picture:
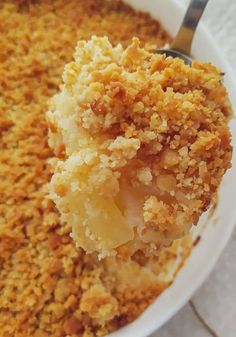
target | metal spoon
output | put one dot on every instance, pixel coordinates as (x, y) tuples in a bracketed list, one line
[(181, 47)]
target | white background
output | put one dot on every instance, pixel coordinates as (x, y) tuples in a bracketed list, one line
[(215, 301)]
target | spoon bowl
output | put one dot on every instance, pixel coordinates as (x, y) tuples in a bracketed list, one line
[(181, 46)]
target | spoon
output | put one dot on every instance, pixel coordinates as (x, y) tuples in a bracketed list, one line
[(181, 47)]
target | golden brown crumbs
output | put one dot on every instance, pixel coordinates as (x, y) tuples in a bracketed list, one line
[(146, 144)]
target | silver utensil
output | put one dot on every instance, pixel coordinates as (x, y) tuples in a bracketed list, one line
[(181, 47)]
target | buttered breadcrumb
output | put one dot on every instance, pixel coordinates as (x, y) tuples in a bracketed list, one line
[(48, 287), (142, 143)]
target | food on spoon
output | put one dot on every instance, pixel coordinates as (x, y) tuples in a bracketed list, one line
[(141, 142)]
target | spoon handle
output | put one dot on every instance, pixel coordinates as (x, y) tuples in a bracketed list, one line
[(184, 37)]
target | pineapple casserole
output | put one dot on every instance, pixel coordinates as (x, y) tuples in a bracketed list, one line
[(141, 142), (48, 286)]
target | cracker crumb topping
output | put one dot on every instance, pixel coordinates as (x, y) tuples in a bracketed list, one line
[(146, 144)]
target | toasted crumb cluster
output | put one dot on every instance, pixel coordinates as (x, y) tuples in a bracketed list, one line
[(142, 144), (48, 287)]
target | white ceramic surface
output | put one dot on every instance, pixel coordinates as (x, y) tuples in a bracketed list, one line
[(216, 233)]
